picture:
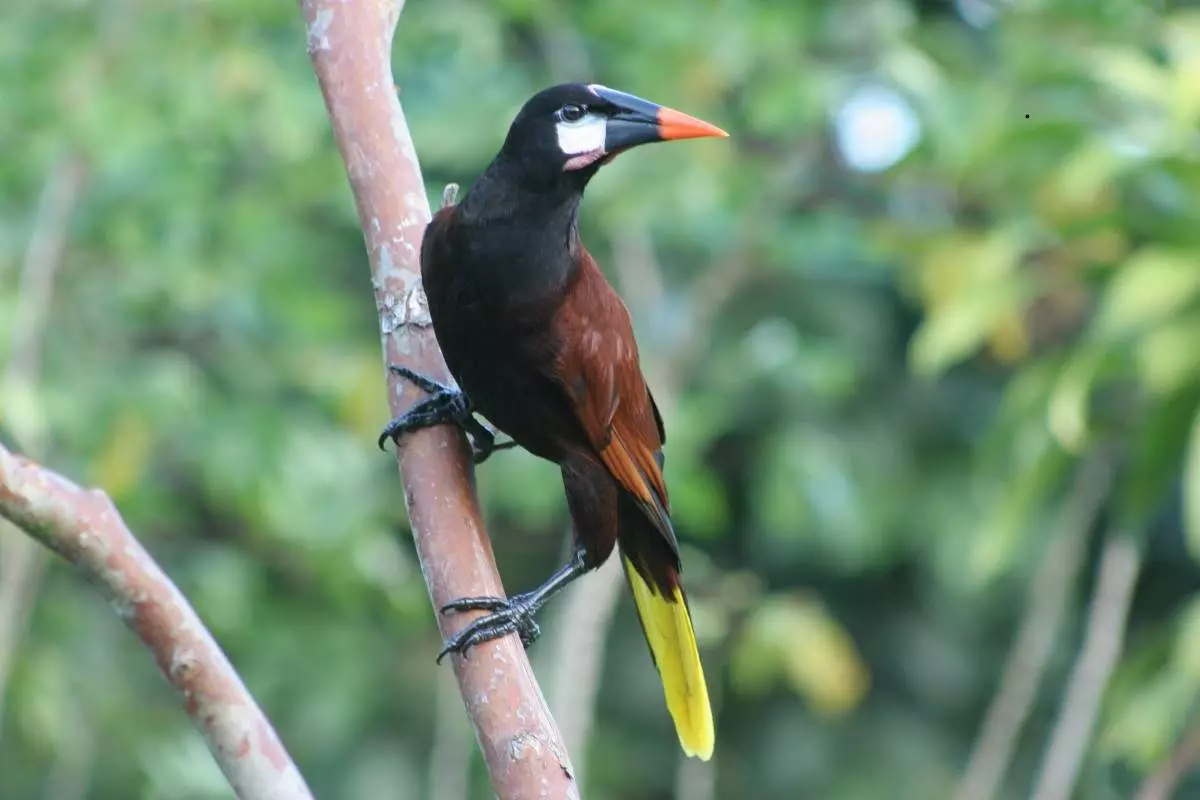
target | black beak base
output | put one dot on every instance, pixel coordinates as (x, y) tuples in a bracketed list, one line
[(637, 121)]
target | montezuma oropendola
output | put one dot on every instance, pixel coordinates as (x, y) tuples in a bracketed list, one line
[(542, 346)]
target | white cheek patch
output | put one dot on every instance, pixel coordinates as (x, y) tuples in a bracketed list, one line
[(585, 135)]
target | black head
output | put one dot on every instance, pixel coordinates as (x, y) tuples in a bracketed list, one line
[(569, 131)]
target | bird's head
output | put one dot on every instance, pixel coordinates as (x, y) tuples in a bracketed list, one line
[(571, 130)]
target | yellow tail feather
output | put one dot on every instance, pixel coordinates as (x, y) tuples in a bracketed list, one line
[(668, 629)]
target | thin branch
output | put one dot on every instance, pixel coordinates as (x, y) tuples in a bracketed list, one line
[(86, 529), (1030, 654), (695, 779), (719, 283), (450, 756), (22, 567), (350, 47), (42, 260), (1120, 564), (71, 775), (639, 274), (22, 562), (1161, 784), (581, 633), (563, 49)]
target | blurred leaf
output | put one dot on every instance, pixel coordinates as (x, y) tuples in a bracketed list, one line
[(1186, 655), (1155, 698), (1183, 43), (1168, 357), (1159, 444), (1132, 73), (1143, 726), (1149, 288), (1078, 188), (1003, 525), (1068, 413), (795, 639), (972, 288), (1191, 489), (699, 501), (120, 465), (22, 413)]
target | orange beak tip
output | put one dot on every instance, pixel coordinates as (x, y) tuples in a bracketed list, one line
[(674, 124)]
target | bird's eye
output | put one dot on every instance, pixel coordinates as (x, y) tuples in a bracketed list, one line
[(572, 112)]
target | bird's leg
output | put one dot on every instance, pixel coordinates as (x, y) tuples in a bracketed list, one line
[(512, 615), (445, 404), (483, 440)]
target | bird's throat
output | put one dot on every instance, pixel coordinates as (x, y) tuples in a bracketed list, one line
[(528, 231), (508, 191)]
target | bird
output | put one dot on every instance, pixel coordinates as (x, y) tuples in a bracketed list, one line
[(542, 347)]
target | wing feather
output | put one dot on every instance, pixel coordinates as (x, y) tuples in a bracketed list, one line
[(598, 367)]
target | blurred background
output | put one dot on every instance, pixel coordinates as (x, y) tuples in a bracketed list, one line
[(925, 332)]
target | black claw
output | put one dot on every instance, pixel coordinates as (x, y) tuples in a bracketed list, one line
[(483, 440), (529, 633), (475, 604), (514, 615), (444, 405), (423, 382), (482, 452), (437, 410), (474, 635)]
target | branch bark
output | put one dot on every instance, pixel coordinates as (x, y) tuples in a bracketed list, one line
[(86, 529), (1120, 563), (350, 46), (1031, 651)]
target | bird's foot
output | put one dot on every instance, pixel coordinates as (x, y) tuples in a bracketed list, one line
[(445, 405), (423, 382), (483, 440), (512, 615)]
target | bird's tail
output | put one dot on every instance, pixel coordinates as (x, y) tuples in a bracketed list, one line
[(668, 628)]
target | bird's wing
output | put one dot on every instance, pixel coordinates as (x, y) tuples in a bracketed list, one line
[(598, 368)]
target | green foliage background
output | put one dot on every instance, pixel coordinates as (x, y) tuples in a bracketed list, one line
[(882, 381)]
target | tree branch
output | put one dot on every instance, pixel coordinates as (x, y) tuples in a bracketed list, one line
[(85, 528), (1034, 643), (350, 46), (1120, 563), (581, 633), (22, 562), (42, 260)]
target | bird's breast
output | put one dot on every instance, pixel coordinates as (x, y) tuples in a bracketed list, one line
[(494, 292)]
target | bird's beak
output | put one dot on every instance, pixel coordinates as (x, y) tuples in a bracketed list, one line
[(639, 121)]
